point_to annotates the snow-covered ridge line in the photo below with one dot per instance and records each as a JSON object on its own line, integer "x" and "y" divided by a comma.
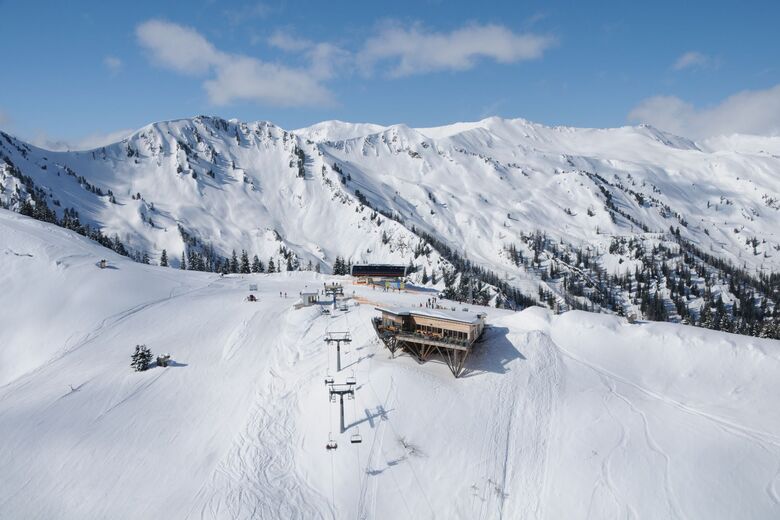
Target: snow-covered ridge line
{"x": 208, "y": 186}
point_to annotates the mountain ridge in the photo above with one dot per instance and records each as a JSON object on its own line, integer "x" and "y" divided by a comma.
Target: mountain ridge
{"x": 466, "y": 197}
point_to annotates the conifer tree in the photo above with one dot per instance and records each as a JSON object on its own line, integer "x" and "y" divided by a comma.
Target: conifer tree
{"x": 234, "y": 262}
{"x": 424, "y": 276}
{"x": 164, "y": 258}
{"x": 338, "y": 266}
{"x": 183, "y": 264}
{"x": 271, "y": 266}
{"x": 244, "y": 262}
{"x": 257, "y": 265}
{"x": 141, "y": 358}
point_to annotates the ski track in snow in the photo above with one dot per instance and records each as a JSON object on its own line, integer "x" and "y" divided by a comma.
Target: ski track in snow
{"x": 767, "y": 441}
{"x": 513, "y": 458}
{"x": 759, "y": 437}
{"x": 258, "y": 478}
{"x": 525, "y": 465}
{"x": 105, "y": 325}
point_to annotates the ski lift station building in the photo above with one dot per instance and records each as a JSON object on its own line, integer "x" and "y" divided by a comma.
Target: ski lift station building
{"x": 369, "y": 272}
{"x": 424, "y": 332}
{"x": 308, "y": 298}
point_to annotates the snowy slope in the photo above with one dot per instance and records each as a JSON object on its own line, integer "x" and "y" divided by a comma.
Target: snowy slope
{"x": 227, "y": 184}
{"x": 337, "y": 130}
{"x": 571, "y": 416}
{"x": 475, "y": 186}
{"x": 480, "y": 185}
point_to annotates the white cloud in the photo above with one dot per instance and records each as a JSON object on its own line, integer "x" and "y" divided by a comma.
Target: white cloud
{"x": 287, "y": 42}
{"x": 324, "y": 58}
{"x": 113, "y": 64}
{"x": 748, "y": 112}
{"x": 230, "y": 77}
{"x": 253, "y": 80}
{"x": 88, "y": 142}
{"x": 692, "y": 59}
{"x": 414, "y": 50}
{"x": 179, "y": 48}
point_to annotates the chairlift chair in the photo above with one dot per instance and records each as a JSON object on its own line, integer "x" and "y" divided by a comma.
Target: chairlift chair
{"x": 356, "y": 439}
{"x": 331, "y": 444}
{"x": 328, "y": 379}
{"x": 351, "y": 380}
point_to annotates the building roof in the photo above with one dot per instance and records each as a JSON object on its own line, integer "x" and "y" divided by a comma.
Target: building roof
{"x": 471, "y": 318}
{"x": 379, "y": 270}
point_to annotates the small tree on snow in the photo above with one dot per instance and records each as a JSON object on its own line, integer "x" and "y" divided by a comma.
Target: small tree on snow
{"x": 141, "y": 358}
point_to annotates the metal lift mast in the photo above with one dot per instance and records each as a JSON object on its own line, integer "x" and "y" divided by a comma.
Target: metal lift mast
{"x": 338, "y": 338}
{"x": 341, "y": 391}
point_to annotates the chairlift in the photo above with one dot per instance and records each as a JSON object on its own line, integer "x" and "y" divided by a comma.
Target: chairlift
{"x": 356, "y": 439}
{"x": 329, "y": 379}
{"x": 351, "y": 380}
{"x": 331, "y": 444}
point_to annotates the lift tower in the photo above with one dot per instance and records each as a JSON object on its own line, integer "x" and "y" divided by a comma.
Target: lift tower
{"x": 338, "y": 338}
{"x": 340, "y": 391}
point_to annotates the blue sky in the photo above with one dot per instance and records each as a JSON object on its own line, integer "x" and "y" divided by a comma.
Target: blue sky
{"x": 80, "y": 74}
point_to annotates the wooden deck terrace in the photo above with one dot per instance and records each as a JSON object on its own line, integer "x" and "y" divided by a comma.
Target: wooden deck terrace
{"x": 422, "y": 346}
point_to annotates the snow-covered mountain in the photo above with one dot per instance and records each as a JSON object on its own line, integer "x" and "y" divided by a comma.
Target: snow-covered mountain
{"x": 577, "y": 415}
{"x": 520, "y": 201}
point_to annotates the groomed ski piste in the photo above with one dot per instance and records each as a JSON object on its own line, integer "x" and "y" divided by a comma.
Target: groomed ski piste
{"x": 571, "y": 416}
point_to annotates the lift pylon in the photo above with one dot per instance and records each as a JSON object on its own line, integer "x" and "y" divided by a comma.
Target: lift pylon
{"x": 338, "y": 338}
{"x": 338, "y": 392}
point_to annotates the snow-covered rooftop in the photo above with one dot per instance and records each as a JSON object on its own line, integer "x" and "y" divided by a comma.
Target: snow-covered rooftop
{"x": 442, "y": 314}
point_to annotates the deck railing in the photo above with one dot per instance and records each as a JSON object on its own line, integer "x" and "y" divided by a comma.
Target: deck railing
{"x": 413, "y": 335}
{"x": 432, "y": 337}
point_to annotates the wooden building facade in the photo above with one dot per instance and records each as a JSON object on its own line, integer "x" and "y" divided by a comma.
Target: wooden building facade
{"x": 425, "y": 332}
